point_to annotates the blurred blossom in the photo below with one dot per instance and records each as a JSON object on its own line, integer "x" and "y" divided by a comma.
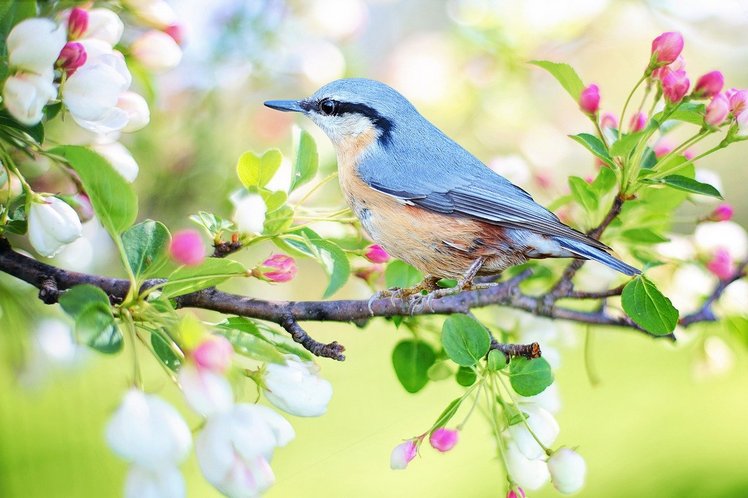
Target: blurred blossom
{"x": 282, "y": 178}
{"x": 51, "y": 225}
{"x": 187, "y": 248}
{"x": 675, "y": 86}
{"x": 717, "y": 358}
{"x": 709, "y": 85}
{"x": 156, "y": 13}
{"x": 297, "y": 388}
{"x": 338, "y": 18}
{"x": 638, "y": 122}
{"x": 443, "y": 439}
{"x": 608, "y": 121}
{"x": 422, "y": 67}
{"x": 662, "y": 148}
{"x": 568, "y": 470}
{"x": 72, "y": 56}
{"x": 26, "y": 94}
{"x": 145, "y": 482}
{"x": 710, "y": 236}
{"x": 120, "y": 159}
{"x": 589, "y": 100}
{"x": 688, "y": 286}
{"x": 738, "y": 100}
{"x": 148, "y": 431}
{"x": 542, "y": 424}
{"x": 530, "y": 474}
{"x": 717, "y": 110}
{"x": 376, "y": 254}
{"x": 742, "y": 122}
{"x": 722, "y": 212}
{"x": 34, "y": 44}
{"x": 176, "y": 31}
{"x": 80, "y": 255}
{"x": 249, "y": 212}
{"x": 234, "y": 448}
{"x": 514, "y": 168}
{"x": 667, "y": 47}
{"x": 206, "y": 392}
{"x": 156, "y": 51}
{"x": 136, "y": 108}
{"x": 678, "y": 247}
{"x": 81, "y": 203}
{"x": 320, "y": 62}
{"x": 104, "y": 25}
{"x": 214, "y": 353}
{"x": 52, "y": 348}
{"x": 403, "y": 454}
{"x": 734, "y": 298}
{"x": 721, "y": 264}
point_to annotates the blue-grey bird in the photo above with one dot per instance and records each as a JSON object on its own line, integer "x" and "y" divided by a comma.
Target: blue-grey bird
{"x": 427, "y": 200}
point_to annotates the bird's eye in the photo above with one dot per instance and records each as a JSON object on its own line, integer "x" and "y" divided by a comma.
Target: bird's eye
{"x": 328, "y": 107}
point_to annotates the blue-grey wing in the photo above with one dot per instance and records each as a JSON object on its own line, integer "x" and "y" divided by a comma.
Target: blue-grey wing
{"x": 463, "y": 186}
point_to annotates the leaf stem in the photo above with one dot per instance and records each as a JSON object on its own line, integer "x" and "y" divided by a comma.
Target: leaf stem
{"x": 628, "y": 99}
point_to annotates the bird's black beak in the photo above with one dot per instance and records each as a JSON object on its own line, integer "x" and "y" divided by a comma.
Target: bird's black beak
{"x": 285, "y": 105}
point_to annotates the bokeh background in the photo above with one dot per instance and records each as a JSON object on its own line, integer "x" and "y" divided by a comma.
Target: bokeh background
{"x": 662, "y": 420}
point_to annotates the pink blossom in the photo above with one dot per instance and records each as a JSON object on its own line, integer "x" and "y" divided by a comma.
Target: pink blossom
{"x": 176, "y": 31}
{"x": 709, "y": 85}
{"x": 717, "y": 110}
{"x": 77, "y": 23}
{"x": 72, "y": 56}
{"x": 738, "y": 100}
{"x": 444, "y": 439}
{"x": 187, "y": 248}
{"x": 723, "y": 212}
{"x": 214, "y": 354}
{"x": 376, "y": 254}
{"x": 638, "y": 121}
{"x": 519, "y": 493}
{"x": 689, "y": 154}
{"x": 674, "y": 86}
{"x": 678, "y": 64}
{"x": 279, "y": 268}
{"x": 608, "y": 120}
{"x": 661, "y": 148}
{"x": 721, "y": 264}
{"x": 667, "y": 47}
{"x": 589, "y": 100}
{"x": 402, "y": 454}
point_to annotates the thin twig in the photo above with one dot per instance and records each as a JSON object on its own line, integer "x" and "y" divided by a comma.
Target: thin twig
{"x": 706, "y": 313}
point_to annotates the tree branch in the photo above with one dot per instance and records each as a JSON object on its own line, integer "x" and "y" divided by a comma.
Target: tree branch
{"x": 706, "y": 313}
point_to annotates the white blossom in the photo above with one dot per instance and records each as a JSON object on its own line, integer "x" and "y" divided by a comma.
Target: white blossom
{"x": 148, "y": 431}
{"x": 138, "y": 114}
{"x": 249, "y": 212}
{"x": 142, "y": 482}
{"x": 157, "y": 13}
{"x": 120, "y": 159}
{"x": 542, "y": 424}
{"x": 206, "y": 392}
{"x": 104, "y": 25}
{"x": 26, "y": 94}
{"x": 34, "y": 44}
{"x": 156, "y": 51}
{"x": 568, "y": 469}
{"x": 527, "y": 473}
{"x": 727, "y": 234}
{"x": 52, "y": 224}
{"x": 296, "y": 387}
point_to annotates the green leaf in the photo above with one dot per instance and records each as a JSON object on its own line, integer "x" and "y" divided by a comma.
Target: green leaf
{"x": 447, "y": 414}
{"x": 36, "y": 132}
{"x": 211, "y": 272}
{"x": 529, "y": 377}
{"x": 112, "y": 197}
{"x": 94, "y": 323}
{"x": 686, "y": 184}
{"x": 565, "y": 75}
{"x": 255, "y": 171}
{"x": 465, "y": 340}
{"x": 145, "y": 245}
{"x": 274, "y": 200}
{"x": 440, "y": 371}
{"x": 401, "y": 275}
{"x": 648, "y": 307}
{"x": 605, "y": 181}
{"x": 253, "y": 346}
{"x": 165, "y": 353}
{"x": 465, "y": 376}
{"x": 412, "y": 360}
{"x": 625, "y": 144}
{"x": 644, "y": 236}
{"x": 278, "y": 221}
{"x": 214, "y": 225}
{"x": 583, "y": 194}
{"x": 688, "y": 112}
{"x": 329, "y": 254}
{"x": 496, "y": 360}
{"x": 278, "y": 340}
{"x": 307, "y": 161}
{"x": 76, "y": 299}
{"x": 594, "y": 145}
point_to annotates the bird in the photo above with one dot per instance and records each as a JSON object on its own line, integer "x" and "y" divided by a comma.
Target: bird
{"x": 428, "y": 201}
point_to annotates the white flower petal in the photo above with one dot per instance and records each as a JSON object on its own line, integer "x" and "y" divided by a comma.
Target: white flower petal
{"x": 296, "y": 388}
{"x": 138, "y": 114}
{"x": 543, "y": 425}
{"x": 104, "y": 25}
{"x": 249, "y": 212}
{"x": 156, "y": 51}
{"x": 52, "y": 224}
{"x": 34, "y": 44}
{"x": 529, "y": 474}
{"x": 568, "y": 469}
{"x": 206, "y": 392}
{"x": 26, "y": 94}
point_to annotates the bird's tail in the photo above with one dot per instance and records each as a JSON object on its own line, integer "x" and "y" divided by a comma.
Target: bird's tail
{"x": 589, "y": 252}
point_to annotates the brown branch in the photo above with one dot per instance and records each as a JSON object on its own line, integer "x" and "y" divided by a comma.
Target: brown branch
{"x": 528, "y": 351}
{"x": 706, "y": 313}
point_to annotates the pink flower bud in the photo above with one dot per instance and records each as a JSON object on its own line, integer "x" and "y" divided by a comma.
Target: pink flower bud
{"x": 402, "y": 454}
{"x": 77, "y": 23}
{"x": 589, "y": 100}
{"x": 709, "y": 85}
{"x": 72, "y": 56}
{"x": 176, "y": 32}
{"x": 689, "y": 154}
{"x": 214, "y": 354}
{"x": 376, "y": 254}
{"x": 738, "y": 100}
{"x": 443, "y": 439}
{"x": 721, "y": 264}
{"x": 717, "y": 110}
{"x": 723, "y": 212}
{"x": 667, "y": 47}
{"x": 187, "y": 248}
{"x": 638, "y": 122}
{"x": 678, "y": 64}
{"x": 674, "y": 86}
{"x": 279, "y": 268}
{"x": 519, "y": 493}
{"x": 661, "y": 148}
{"x": 81, "y": 203}
{"x": 608, "y": 121}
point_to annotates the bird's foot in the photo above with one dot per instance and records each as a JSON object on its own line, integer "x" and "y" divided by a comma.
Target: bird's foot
{"x": 427, "y": 285}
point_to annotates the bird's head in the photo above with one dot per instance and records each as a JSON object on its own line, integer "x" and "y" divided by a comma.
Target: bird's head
{"x": 348, "y": 108}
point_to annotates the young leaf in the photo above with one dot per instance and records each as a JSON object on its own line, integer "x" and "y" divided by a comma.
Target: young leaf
{"x": 211, "y": 272}
{"x": 465, "y": 340}
{"x": 529, "y": 377}
{"x": 412, "y": 360}
{"x": 252, "y": 346}
{"x": 279, "y": 340}
{"x": 686, "y": 184}
{"x": 688, "y": 112}
{"x": 255, "y": 171}
{"x": 307, "y": 161}
{"x": 75, "y": 300}
{"x": 594, "y": 145}
{"x": 625, "y": 144}
{"x": 644, "y": 236}
{"x": 447, "y": 414}
{"x": 145, "y": 245}
{"x": 401, "y": 275}
{"x": 605, "y": 181}
{"x": 565, "y": 75}
{"x": 165, "y": 353}
{"x": 36, "y": 132}
{"x": 648, "y": 307}
{"x": 112, "y": 197}
{"x": 465, "y": 376}
{"x": 94, "y": 323}
{"x": 583, "y": 194}
{"x": 496, "y": 360}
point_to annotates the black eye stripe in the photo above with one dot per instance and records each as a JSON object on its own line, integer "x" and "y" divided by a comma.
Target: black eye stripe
{"x": 339, "y": 108}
